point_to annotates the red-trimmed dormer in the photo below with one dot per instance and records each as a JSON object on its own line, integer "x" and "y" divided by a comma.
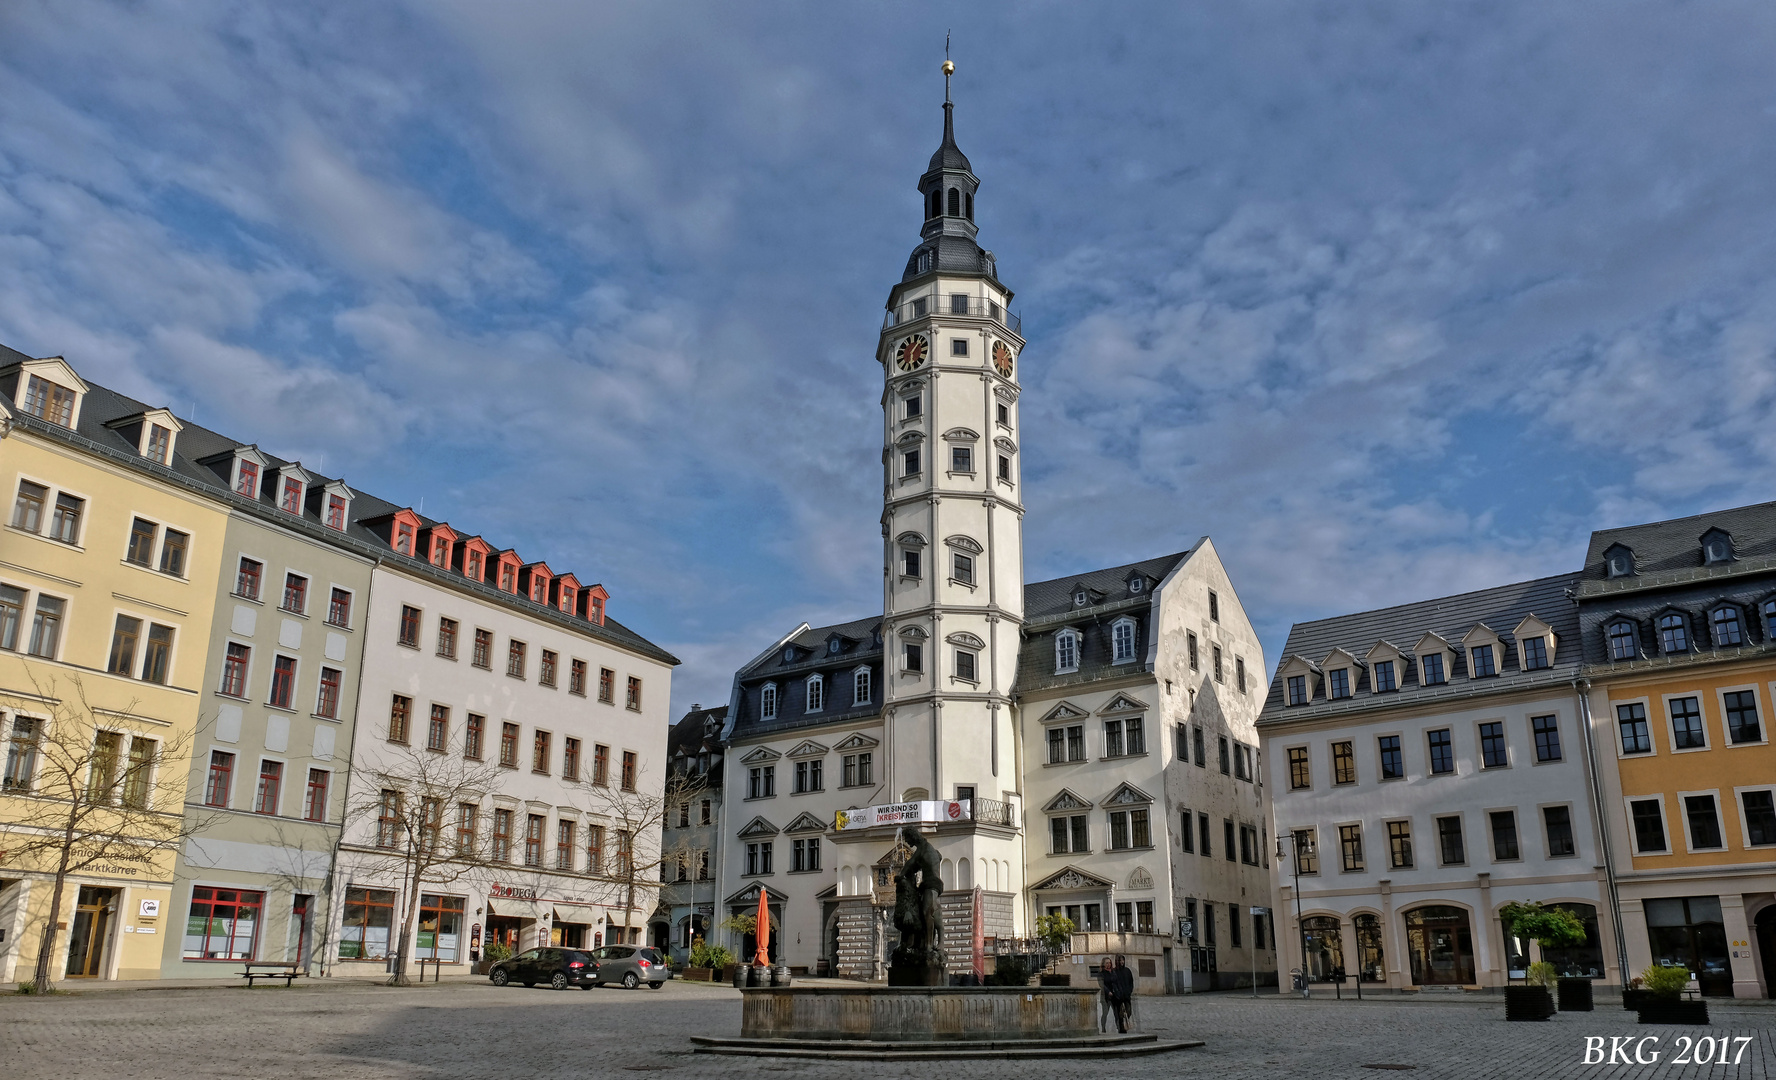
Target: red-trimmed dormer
{"x": 591, "y": 604}
{"x": 290, "y": 493}
{"x": 438, "y": 543}
{"x": 503, "y": 570}
{"x": 565, "y": 594}
{"x": 533, "y": 582}
{"x": 333, "y": 505}
{"x": 404, "y": 526}
{"x": 471, "y": 558}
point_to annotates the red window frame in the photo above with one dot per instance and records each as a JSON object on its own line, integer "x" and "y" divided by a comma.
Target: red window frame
{"x": 327, "y": 701}
{"x": 271, "y": 785}
{"x": 570, "y": 758}
{"x": 234, "y": 670}
{"x": 314, "y": 807}
{"x": 483, "y": 654}
{"x": 509, "y": 745}
{"x": 246, "y": 480}
{"x": 539, "y": 753}
{"x": 220, "y": 779}
{"x": 576, "y": 677}
{"x": 388, "y": 818}
{"x": 404, "y": 538}
{"x": 292, "y": 500}
{"x": 564, "y": 845}
{"x": 248, "y": 577}
{"x": 222, "y": 909}
{"x": 339, "y": 608}
{"x": 296, "y": 594}
{"x": 283, "y": 682}
{"x": 515, "y": 658}
{"x": 628, "y": 770}
{"x": 336, "y": 512}
{"x": 472, "y": 736}
{"x": 502, "y": 836}
{"x": 607, "y": 685}
{"x": 594, "y": 849}
{"x": 546, "y": 676}
{"x": 400, "y": 715}
{"x": 438, "y": 729}
{"x": 533, "y": 839}
{"x": 601, "y": 756}
{"x": 632, "y": 696}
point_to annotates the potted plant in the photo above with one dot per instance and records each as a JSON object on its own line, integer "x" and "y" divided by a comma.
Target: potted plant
{"x": 1634, "y": 993}
{"x": 700, "y": 963}
{"x": 1056, "y": 934}
{"x": 1664, "y": 1003}
{"x": 1550, "y": 928}
{"x": 491, "y": 955}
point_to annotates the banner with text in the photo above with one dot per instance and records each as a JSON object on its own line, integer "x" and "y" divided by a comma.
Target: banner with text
{"x": 925, "y": 812}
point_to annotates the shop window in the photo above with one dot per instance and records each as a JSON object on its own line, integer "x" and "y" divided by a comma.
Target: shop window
{"x": 369, "y": 914}
{"x": 223, "y": 924}
{"x": 440, "y": 928}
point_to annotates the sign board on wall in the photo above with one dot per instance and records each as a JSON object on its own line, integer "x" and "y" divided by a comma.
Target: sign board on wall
{"x": 924, "y": 812}
{"x": 150, "y": 909}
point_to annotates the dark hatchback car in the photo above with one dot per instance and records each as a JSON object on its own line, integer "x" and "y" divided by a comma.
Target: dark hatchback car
{"x": 560, "y": 968}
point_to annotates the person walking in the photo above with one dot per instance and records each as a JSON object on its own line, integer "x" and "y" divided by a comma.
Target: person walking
{"x": 1121, "y": 986}
{"x": 1106, "y": 969}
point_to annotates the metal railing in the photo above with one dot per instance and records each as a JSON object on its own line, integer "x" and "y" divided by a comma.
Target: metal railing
{"x": 962, "y": 304}
{"x": 994, "y": 812}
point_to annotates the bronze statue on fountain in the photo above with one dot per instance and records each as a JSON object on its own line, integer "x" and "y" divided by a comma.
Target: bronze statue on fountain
{"x": 919, "y": 958}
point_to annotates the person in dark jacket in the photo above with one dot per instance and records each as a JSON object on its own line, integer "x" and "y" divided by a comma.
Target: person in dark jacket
{"x": 1121, "y": 986}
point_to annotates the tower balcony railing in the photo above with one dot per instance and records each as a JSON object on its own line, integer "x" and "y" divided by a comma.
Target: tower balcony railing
{"x": 994, "y": 812}
{"x": 918, "y": 307}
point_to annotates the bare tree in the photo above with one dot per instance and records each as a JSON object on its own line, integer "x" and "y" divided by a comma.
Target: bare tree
{"x": 86, "y": 793}
{"x": 411, "y": 808}
{"x": 639, "y": 817}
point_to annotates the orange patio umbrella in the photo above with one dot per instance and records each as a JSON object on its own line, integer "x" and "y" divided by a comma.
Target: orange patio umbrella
{"x": 763, "y": 957}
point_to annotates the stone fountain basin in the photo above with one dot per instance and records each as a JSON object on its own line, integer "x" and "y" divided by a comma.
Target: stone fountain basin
{"x": 919, "y": 1013}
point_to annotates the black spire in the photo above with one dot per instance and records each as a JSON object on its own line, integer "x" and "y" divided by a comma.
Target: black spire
{"x": 947, "y": 188}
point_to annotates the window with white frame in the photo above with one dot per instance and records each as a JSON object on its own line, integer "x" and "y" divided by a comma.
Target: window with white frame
{"x": 860, "y": 686}
{"x": 816, "y": 693}
{"x": 1122, "y": 641}
{"x": 1727, "y": 628}
{"x": 1066, "y": 651}
{"x": 768, "y": 701}
{"x": 1622, "y": 639}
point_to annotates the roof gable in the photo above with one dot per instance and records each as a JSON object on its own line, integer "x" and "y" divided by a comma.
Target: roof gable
{"x": 762, "y": 753}
{"x": 758, "y": 826}
{"x": 1070, "y": 877}
{"x": 856, "y": 741}
{"x": 1067, "y": 800}
{"x": 804, "y": 823}
{"x": 1065, "y": 710}
{"x": 1124, "y": 703}
{"x": 1127, "y": 794}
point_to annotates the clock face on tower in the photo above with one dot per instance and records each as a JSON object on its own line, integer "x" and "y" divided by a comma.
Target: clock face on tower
{"x": 912, "y": 353}
{"x": 1002, "y": 358}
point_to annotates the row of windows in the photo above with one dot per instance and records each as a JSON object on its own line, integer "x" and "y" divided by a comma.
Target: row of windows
{"x": 1122, "y": 738}
{"x": 815, "y": 693}
{"x": 1069, "y": 645}
{"x": 1492, "y": 745}
{"x": 439, "y": 735}
{"x": 1686, "y": 728}
{"x": 249, "y": 584}
{"x": 1124, "y": 830}
{"x": 912, "y": 405}
{"x": 517, "y": 658}
{"x": 59, "y": 516}
{"x": 1204, "y": 932}
{"x": 1701, "y": 816}
{"x": 237, "y": 673}
{"x": 809, "y": 775}
{"x": 804, "y": 856}
{"x": 1433, "y": 668}
{"x": 1234, "y": 759}
{"x": 1674, "y": 634}
{"x": 42, "y": 636}
{"x": 459, "y": 830}
{"x": 1449, "y": 839}
{"x": 1194, "y": 654}
{"x": 119, "y": 769}
{"x": 268, "y": 793}
{"x": 1239, "y": 841}
{"x": 683, "y": 866}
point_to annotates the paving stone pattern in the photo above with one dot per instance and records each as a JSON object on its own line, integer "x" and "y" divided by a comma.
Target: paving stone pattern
{"x": 470, "y": 1029}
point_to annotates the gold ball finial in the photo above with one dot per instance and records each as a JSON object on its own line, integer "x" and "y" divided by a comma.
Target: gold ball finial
{"x": 949, "y": 68}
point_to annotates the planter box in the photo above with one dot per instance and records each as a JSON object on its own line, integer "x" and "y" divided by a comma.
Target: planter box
{"x": 1056, "y": 980}
{"x": 1528, "y": 1003}
{"x": 1575, "y": 995}
{"x": 727, "y": 973}
{"x": 1673, "y": 1011}
{"x": 1633, "y": 999}
{"x": 697, "y": 974}
{"x": 480, "y": 967}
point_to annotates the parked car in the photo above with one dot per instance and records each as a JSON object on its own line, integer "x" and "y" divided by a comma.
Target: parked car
{"x": 629, "y": 965}
{"x": 560, "y": 968}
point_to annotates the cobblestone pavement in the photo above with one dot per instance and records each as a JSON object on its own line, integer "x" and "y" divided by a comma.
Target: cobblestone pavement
{"x": 472, "y": 1030}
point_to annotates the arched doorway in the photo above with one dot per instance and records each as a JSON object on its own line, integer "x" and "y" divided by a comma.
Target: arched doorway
{"x": 1583, "y": 961}
{"x": 1766, "y": 940}
{"x": 1323, "y": 942}
{"x": 1440, "y": 944}
{"x": 1370, "y": 967}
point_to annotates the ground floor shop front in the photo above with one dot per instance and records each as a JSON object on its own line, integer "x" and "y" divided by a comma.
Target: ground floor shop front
{"x": 109, "y": 927}
{"x": 1439, "y": 938}
{"x": 1721, "y": 927}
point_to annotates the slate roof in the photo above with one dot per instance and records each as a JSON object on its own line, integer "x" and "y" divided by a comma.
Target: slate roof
{"x": 687, "y": 735}
{"x": 949, "y": 155}
{"x": 1500, "y": 608}
{"x": 1665, "y": 549}
{"x": 195, "y": 443}
{"x": 1049, "y": 606}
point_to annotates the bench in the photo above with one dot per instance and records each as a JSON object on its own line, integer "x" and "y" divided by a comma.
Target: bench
{"x": 287, "y": 971}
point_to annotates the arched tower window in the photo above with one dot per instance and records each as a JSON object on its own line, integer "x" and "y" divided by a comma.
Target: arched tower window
{"x": 968, "y": 203}
{"x": 932, "y": 206}
{"x": 955, "y": 203}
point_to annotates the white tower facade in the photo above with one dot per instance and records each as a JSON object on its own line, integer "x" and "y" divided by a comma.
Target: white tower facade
{"x": 952, "y": 528}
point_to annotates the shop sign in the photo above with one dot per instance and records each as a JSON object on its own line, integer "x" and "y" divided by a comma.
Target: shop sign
{"x": 511, "y": 892}
{"x": 924, "y": 812}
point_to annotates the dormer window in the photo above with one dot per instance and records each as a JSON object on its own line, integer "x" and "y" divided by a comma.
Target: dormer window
{"x": 1768, "y": 609}
{"x": 1079, "y": 598}
{"x": 160, "y": 444}
{"x": 789, "y": 654}
{"x": 768, "y": 701}
{"x": 1431, "y": 671}
{"x": 291, "y": 502}
{"x": 1535, "y": 653}
{"x": 816, "y": 693}
{"x": 1122, "y": 641}
{"x": 1382, "y": 676}
{"x": 1727, "y": 628}
{"x": 1623, "y": 641}
{"x": 1136, "y": 584}
{"x": 1298, "y": 689}
{"x": 49, "y": 401}
{"x": 404, "y": 534}
{"x": 1717, "y": 547}
{"x": 440, "y": 551}
{"x": 1618, "y": 561}
{"x": 833, "y": 646}
{"x": 1481, "y": 662}
{"x": 336, "y": 512}
{"x": 1067, "y": 651}
{"x": 1674, "y": 633}
{"x": 246, "y": 479}
{"x": 1338, "y": 683}
{"x": 336, "y": 505}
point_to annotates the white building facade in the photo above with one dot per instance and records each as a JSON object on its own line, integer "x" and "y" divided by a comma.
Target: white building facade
{"x": 1429, "y": 764}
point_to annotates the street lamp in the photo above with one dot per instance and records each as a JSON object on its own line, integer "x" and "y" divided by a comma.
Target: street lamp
{"x": 1303, "y": 843}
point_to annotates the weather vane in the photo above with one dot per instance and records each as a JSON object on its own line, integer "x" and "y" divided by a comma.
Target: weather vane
{"x": 948, "y": 68}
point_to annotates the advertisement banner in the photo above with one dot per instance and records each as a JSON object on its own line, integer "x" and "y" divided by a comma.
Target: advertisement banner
{"x": 926, "y": 812}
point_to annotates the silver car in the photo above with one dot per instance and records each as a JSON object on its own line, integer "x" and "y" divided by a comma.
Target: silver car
{"x": 630, "y": 965}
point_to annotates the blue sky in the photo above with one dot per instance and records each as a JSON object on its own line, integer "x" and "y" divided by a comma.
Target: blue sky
{"x": 1392, "y": 300}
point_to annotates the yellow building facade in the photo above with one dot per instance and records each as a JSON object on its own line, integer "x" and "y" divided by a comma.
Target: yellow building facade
{"x": 1679, "y": 619}
{"x": 109, "y": 561}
